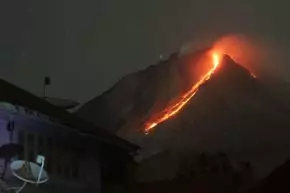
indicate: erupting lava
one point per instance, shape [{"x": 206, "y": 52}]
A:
[{"x": 172, "y": 110}]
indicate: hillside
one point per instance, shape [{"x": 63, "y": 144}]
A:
[{"x": 232, "y": 112}]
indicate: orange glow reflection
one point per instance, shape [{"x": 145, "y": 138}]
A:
[{"x": 173, "y": 109}]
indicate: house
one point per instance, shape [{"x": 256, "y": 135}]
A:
[{"x": 79, "y": 155}]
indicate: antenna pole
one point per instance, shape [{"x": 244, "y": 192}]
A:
[{"x": 45, "y": 83}]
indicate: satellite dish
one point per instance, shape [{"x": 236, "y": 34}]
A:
[
  {"x": 59, "y": 102},
  {"x": 62, "y": 103},
  {"x": 29, "y": 172}
]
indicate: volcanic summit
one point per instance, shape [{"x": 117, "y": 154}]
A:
[{"x": 230, "y": 110}]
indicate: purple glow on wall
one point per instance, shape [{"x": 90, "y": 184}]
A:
[{"x": 4, "y": 133}]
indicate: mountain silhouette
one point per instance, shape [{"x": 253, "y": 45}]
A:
[{"x": 232, "y": 112}]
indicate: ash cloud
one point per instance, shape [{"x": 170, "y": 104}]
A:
[{"x": 262, "y": 56}]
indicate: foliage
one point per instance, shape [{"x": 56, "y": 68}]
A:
[{"x": 215, "y": 169}]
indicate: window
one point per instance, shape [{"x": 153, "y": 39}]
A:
[
  {"x": 60, "y": 155},
  {"x": 41, "y": 145},
  {"x": 30, "y": 147},
  {"x": 21, "y": 142}
]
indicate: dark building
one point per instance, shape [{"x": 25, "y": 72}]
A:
[{"x": 79, "y": 156}]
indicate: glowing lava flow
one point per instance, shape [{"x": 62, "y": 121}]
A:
[{"x": 175, "y": 108}]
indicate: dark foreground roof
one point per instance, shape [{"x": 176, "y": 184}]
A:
[{"x": 15, "y": 95}]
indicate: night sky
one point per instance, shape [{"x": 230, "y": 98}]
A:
[{"x": 85, "y": 46}]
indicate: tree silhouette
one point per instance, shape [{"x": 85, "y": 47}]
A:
[{"x": 215, "y": 168}]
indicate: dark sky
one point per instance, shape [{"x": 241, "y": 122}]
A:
[{"x": 87, "y": 45}]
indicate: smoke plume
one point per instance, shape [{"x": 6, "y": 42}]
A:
[{"x": 264, "y": 57}]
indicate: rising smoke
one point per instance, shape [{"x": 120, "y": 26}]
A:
[{"x": 264, "y": 57}]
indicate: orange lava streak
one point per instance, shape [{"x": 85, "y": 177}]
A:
[{"x": 175, "y": 108}]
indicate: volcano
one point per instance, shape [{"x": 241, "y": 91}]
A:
[
  {"x": 139, "y": 98},
  {"x": 232, "y": 112}
]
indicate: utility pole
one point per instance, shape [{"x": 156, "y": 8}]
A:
[{"x": 46, "y": 82}]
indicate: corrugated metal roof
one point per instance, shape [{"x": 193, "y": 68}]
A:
[{"x": 17, "y": 96}]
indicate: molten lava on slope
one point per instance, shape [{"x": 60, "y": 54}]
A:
[
  {"x": 174, "y": 108},
  {"x": 140, "y": 101}
]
